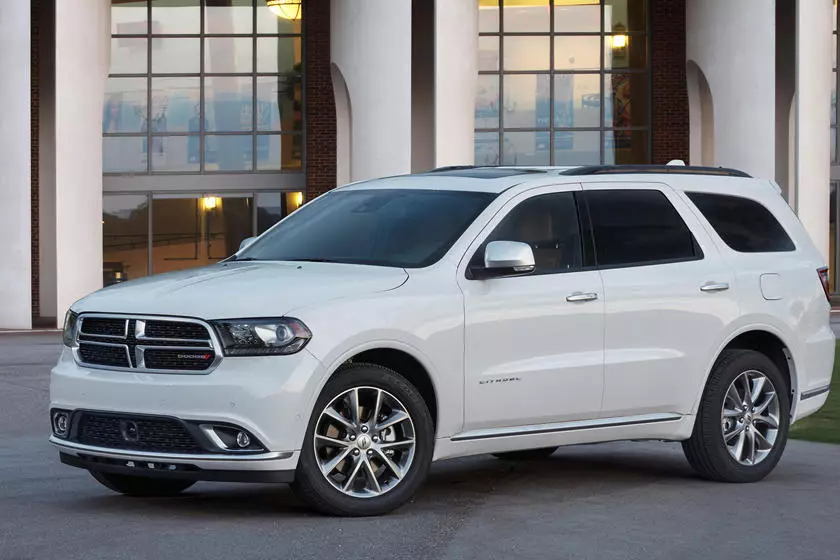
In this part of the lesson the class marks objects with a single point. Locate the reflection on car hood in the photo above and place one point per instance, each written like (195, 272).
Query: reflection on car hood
(239, 290)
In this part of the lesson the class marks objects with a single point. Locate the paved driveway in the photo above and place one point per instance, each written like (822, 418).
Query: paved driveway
(611, 501)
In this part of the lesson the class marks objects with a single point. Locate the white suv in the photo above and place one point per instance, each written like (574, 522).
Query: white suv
(510, 311)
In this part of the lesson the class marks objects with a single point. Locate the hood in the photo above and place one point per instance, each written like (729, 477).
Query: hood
(241, 290)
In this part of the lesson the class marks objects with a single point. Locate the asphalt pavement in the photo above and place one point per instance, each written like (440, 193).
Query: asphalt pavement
(604, 502)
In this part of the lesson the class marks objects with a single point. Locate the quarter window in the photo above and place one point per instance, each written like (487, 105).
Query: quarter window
(636, 227)
(549, 224)
(743, 224)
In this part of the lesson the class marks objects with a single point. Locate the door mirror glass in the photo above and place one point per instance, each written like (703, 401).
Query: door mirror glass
(506, 258)
(246, 242)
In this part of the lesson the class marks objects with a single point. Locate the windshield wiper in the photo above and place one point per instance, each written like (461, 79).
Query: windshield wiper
(312, 259)
(241, 259)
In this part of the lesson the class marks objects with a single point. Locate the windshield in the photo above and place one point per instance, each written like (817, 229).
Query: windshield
(393, 227)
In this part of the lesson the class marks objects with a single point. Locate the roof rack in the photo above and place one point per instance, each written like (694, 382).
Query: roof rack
(654, 169)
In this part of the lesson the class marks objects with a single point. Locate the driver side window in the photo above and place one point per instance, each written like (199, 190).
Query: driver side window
(549, 224)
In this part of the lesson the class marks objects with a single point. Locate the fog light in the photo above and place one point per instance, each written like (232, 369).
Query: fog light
(61, 424)
(243, 440)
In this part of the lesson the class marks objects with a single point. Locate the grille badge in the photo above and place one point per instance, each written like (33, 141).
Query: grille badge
(129, 430)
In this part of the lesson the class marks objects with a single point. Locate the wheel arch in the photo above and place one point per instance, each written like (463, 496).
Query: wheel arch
(765, 340)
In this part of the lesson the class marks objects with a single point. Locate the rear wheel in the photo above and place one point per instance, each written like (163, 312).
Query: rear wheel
(368, 446)
(526, 454)
(141, 486)
(742, 424)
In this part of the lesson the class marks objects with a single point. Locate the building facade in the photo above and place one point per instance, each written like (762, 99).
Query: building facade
(145, 136)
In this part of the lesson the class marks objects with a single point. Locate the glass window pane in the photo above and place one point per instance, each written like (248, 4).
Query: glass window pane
(279, 104)
(289, 20)
(626, 147)
(278, 54)
(834, 98)
(129, 56)
(627, 100)
(577, 100)
(577, 16)
(129, 18)
(526, 148)
(273, 207)
(832, 237)
(229, 17)
(625, 51)
(126, 100)
(637, 227)
(228, 103)
(487, 148)
(176, 17)
(521, 16)
(176, 56)
(581, 147)
(228, 153)
(625, 15)
(175, 153)
(176, 234)
(124, 154)
(228, 224)
(488, 53)
(228, 55)
(488, 16)
(577, 53)
(487, 102)
(125, 237)
(527, 53)
(527, 101)
(175, 104)
(279, 152)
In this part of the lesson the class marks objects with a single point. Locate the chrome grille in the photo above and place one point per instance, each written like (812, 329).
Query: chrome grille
(152, 344)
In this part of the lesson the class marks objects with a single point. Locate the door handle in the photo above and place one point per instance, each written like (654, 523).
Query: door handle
(578, 297)
(714, 287)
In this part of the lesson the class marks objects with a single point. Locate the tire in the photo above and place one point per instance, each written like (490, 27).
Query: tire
(707, 451)
(329, 493)
(140, 486)
(526, 454)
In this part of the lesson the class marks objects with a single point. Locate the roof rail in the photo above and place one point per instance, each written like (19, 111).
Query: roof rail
(654, 169)
(451, 168)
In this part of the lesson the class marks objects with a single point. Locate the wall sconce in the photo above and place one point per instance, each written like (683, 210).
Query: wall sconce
(619, 41)
(285, 9)
(294, 200)
(210, 202)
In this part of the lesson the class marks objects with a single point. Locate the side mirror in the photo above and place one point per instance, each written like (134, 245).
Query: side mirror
(505, 258)
(246, 242)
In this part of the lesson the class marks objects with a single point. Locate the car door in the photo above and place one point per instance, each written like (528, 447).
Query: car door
(668, 295)
(534, 343)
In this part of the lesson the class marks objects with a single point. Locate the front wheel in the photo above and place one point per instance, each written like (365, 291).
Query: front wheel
(141, 486)
(368, 445)
(742, 424)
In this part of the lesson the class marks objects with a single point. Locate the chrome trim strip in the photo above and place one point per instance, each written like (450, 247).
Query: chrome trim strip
(213, 344)
(535, 429)
(164, 457)
(814, 393)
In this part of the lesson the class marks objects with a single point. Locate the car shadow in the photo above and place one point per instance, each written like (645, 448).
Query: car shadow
(455, 483)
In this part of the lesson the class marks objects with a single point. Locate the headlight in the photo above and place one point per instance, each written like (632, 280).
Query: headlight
(71, 323)
(262, 337)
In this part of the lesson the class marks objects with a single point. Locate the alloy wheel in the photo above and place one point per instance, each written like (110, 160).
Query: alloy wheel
(364, 442)
(750, 418)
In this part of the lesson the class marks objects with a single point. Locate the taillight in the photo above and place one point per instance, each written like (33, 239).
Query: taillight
(823, 273)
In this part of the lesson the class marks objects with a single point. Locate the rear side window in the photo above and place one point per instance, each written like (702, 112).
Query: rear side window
(743, 224)
(636, 227)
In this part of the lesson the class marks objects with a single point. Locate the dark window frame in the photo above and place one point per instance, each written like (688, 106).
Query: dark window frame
(698, 255)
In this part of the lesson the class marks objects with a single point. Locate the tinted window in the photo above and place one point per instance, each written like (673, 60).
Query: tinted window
(743, 224)
(549, 224)
(388, 227)
(637, 227)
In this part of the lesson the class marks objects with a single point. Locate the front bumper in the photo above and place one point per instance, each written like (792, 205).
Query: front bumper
(267, 396)
(266, 467)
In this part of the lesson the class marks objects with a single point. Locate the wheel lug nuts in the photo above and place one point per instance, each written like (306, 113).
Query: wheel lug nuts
(364, 429)
(355, 452)
(353, 438)
(369, 452)
(375, 439)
